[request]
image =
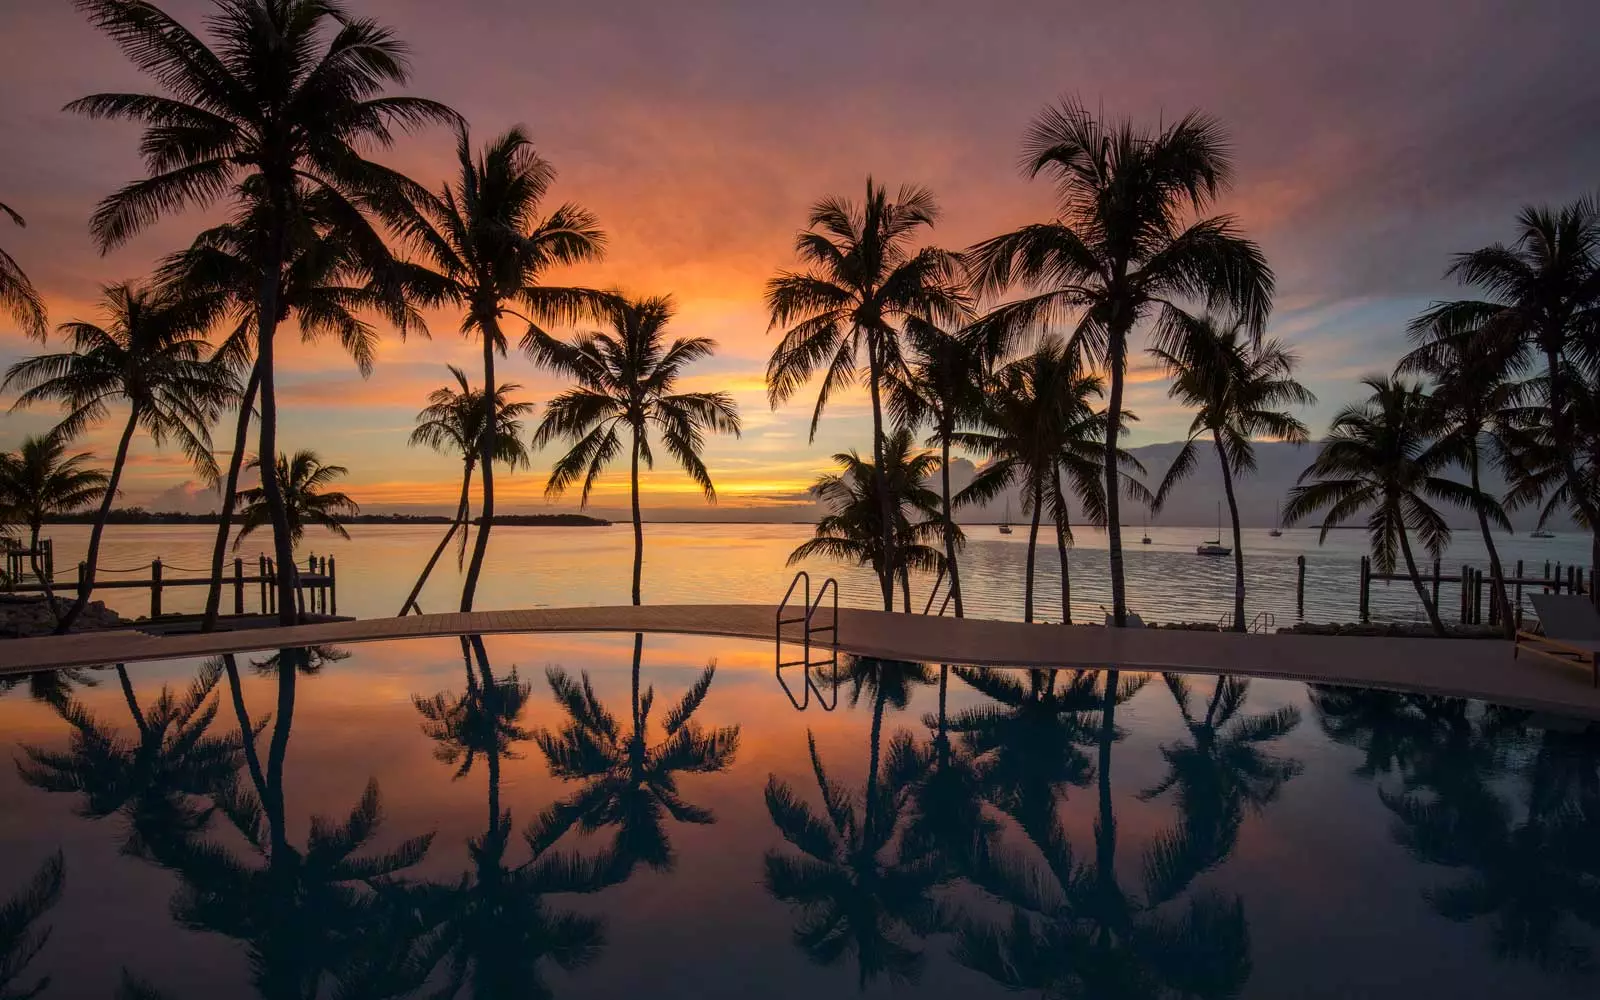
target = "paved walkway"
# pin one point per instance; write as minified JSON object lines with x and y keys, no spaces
{"x":1475,"y":668}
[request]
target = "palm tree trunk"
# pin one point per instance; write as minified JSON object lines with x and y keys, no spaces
{"x":1238,"y":544}
{"x":1066,"y":571}
{"x":480,"y":544}
{"x":638,"y":654}
{"x":278,"y":750}
{"x":1416,"y":581}
{"x":46,"y":583}
{"x":230,"y":496}
{"x":86,"y":587}
{"x":462,"y":509}
{"x":905,"y":589}
{"x":1105,"y":826}
{"x":1033,"y":543}
{"x":267,"y":449}
{"x":486,"y":684}
{"x":247,"y":733}
{"x":943,"y":740}
{"x":869,"y":821}
{"x":1497,"y":576}
{"x":1116,"y":356}
{"x":129,"y":697}
{"x":880,"y":480}
{"x":949,"y":520}
{"x":638,"y":522}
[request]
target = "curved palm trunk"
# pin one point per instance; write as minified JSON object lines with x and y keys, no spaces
{"x":230,"y":496}
{"x":247,"y":733}
{"x":1066,"y":571}
{"x":129,"y":697}
{"x":1416,"y":581}
{"x":1238,"y":543}
{"x":880,"y":480}
{"x":480,"y":544}
{"x":869,"y":822}
{"x":267,"y":450}
{"x":86,"y":587}
{"x":463,"y":507}
{"x":1118,"y":349}
{"x":278,"y":750}
{"x":1497,"y":576}
{"x":638,"y":522}
{"x":949,"y":520}
{"x":1033,"y":544}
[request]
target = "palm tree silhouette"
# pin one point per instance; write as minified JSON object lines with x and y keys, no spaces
{"x":490,"y":248}
{"x":151,"y":357}
{"x":1237,"y":387}
{"x":862,"y":279}
{"x":304,"y":500}
{"x":449,"y":425}
{"x":630,"y":782}
{"x":277,"y":108}
{"x":946,"y":792}
{"x":1382,"y":456}
{"x":17,"y":294}
{"x":493,"y":925}
{"x":1118,"y":248}
{"x":849,"y":532}
{"x":626,"y":379}
{"x":41,"y":480}
{"x":20,"y":940}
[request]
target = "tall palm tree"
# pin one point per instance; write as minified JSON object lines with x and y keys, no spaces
{"x":1383,"y":457}
{"x":940,"y":384}
{"x":1038,"y":426}
{"x":305,"y":501}
{"x":449,"y":425}
{"x":626,"y":377}
{"x":1542,"y":303}
{"x":336,"y":269}
{"x":279,"y":104}
{"x":17,"y":294}
{"x":1482,"y":404}
{"x":490,"y":248}
{"x":849,"y":530}
{"x":863,"y":278}
{"x":20,"y":940}
{"x":40,"y":480}
{"x":151,"y":357}
{"x":1238,"y":388}
{"x":1537,"y":468}
{"x":1118,"y":248}
{"x":629,"y":781}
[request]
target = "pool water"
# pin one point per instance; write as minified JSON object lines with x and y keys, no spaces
{"x":585,"y":816}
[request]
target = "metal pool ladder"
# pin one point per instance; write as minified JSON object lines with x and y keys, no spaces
{"x":809,"y":628}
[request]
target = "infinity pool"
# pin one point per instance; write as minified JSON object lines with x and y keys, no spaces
{"x":584,"y":816}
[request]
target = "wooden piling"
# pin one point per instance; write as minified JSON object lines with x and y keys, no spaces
{"x":333,"y":585}
{"x":238,"y":585}
{"x":1366,"y":585}
{"x":1300,"y":586}
{"x":1477,"y":597}
{"x":155,"y":588}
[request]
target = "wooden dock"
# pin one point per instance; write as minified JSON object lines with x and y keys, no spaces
{"x":1471,"y":668}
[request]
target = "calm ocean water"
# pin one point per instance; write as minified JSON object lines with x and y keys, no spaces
{"x":746,"y":563}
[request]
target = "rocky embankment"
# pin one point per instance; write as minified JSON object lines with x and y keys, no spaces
{"x":24,"y":616}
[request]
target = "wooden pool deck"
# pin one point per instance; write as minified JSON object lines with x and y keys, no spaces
{"x":1473,"y":668}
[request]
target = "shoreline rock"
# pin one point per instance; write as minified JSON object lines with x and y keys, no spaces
{"x":21,"y":617}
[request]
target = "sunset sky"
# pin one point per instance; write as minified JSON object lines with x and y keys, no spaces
{"x":1372,"y":140}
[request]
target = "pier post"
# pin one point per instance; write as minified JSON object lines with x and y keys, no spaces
{"x":1436,"y":585}
{"x":1300,"y":587}
{"x":238,"y":585}
{"x":155,"y":588}
{"x":1466,"y":575}
{"x":333,"y":588}
{"x":1477,"y":597}
{"x":1366,"y":584}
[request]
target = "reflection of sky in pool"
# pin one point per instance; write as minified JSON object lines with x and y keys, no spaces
{"x":1235,"y":838}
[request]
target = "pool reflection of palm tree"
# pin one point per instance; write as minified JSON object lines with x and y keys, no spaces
{"x":629,"y":782}
{"x":52,"y":687}
{"x":493,"y":927}
{"x":21,"y":939}
{"x":947,"y":792}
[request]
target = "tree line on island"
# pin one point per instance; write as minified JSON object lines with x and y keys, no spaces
{"x":1014,"y":350}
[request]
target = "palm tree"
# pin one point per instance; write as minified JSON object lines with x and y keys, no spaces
{"x":1481,"y":403}
{"x":1542,"y":299}
{"x":1537,"y":469}
{"x":280,"y":106}
{"x":1118,"y":248}
{"x":849,"y":530}
{"x":151,"y":356}
{"x":1383,"y":456}
{"x":628,"y":781}
{"x":305,"y":502}
{"x":335,"y":269}
{"x":939,"y":383}
{"x":17,"y":294}
{"x":626,"y":379}
{"x":21,"y":941}
{"x":1237,"y":388}
{"x":40,"y":480}
{"x":490,"y":249}
{"x":863,"y":278}
{"x":449,"y":425}
{"x":1037,"y":426}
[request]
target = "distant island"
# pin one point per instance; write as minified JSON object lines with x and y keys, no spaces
{"x":138,"y":515}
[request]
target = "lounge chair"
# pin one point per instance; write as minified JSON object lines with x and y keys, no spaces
{"x":1571,"y":631}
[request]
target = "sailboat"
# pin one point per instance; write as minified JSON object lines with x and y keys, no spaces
{"x":1215,"y":546}
{"x":1005,"y":526}
{"x":1542,"y":533}
{"x":1277,"y":522}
